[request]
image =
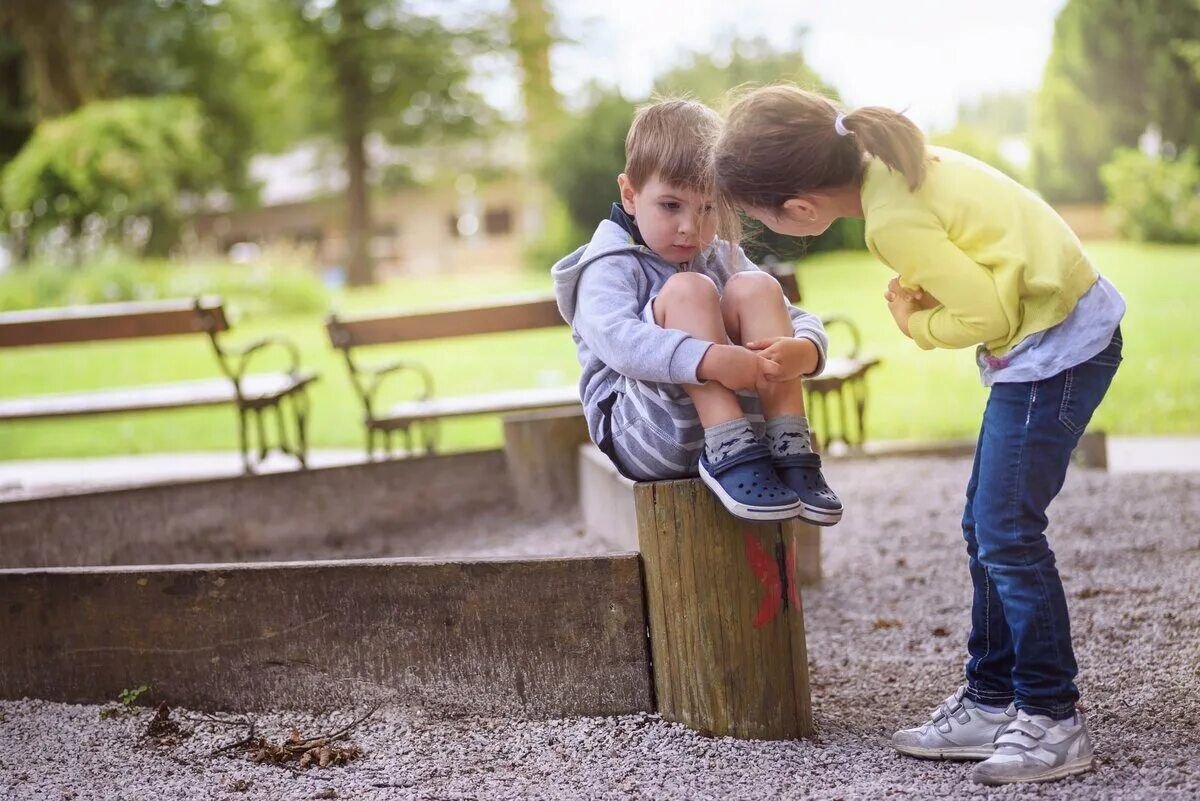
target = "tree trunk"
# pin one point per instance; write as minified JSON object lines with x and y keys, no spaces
{"x":355,"y":97}
{"x":46,"y":32}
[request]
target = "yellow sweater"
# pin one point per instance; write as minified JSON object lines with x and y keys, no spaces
{"x":1003,"y":264}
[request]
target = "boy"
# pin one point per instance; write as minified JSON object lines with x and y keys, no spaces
{"x":692,"y":358}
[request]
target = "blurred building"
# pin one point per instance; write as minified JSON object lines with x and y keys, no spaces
{"x":463,"y":208}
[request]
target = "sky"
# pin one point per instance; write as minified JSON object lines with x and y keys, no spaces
{"x":921,"y":55}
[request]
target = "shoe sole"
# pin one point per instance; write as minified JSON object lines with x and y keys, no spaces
{"x":1072,"y":768}
{"x":818,"y":516}
{"x":966,"y":753}
{"x":744,"y":512}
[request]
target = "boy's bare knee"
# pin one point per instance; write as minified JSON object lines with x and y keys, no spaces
{"x":690,"y":290}
{"x":752,"y":287}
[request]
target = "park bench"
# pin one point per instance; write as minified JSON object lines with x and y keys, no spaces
{"x":253,"y":395}
{"x":417,"y":418}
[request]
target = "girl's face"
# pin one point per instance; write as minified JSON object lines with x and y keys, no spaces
{"x":800,"y":216}
{"x":676,"y":222}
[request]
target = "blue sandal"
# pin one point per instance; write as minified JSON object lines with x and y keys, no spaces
{"x":819,"y":504}
{"x":748,"y":486}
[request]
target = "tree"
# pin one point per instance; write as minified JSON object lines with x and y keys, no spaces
{"x":751,"y":62}
{"x":380,"y":68}
{"x":1117,"y":67}
{"x":112,"y":160}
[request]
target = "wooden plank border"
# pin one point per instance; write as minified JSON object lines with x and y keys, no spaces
{"x":536,"y":638}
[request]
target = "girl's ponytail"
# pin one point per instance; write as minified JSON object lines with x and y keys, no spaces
{"x":780,"y":142}
{"x":892,"y":138}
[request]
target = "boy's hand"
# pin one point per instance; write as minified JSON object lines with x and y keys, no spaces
{"x":735,"y":368}
{"x":795,"y":357}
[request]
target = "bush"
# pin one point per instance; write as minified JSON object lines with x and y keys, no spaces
{"x":250,"y":290}
{"x":1155,"y":199}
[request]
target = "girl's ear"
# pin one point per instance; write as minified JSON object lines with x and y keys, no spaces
{"x":627,"y":194}
{"x":800,"y":209}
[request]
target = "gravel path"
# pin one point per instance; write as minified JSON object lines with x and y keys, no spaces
{"x":885,"y":636}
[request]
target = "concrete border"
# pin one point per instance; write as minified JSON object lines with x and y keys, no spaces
{"x":251,"y":515}
{"x":539,"y":638}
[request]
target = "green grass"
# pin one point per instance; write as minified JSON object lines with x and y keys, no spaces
{"x":915,"y":394}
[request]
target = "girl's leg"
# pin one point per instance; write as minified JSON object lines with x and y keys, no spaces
{"x":1029,"y":433}
{"x":990,"y":663}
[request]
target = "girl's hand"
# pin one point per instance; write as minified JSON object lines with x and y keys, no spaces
{"x":919,"y":296}
{"x":902,"y":309}
{"x":795,"y":357}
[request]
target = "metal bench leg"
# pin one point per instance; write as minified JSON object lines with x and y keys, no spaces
{"x":300,"y":410}
{"x":243,"y":440}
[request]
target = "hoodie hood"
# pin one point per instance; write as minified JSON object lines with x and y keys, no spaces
{"x":610,"y":238}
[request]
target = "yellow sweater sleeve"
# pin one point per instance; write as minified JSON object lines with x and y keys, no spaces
{"x":918,"y":248}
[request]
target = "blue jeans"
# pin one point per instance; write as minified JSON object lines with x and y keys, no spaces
{"x":1020,"y":643}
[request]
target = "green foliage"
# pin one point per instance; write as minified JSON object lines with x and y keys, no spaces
{"x":583,"y":164}
{"x":111,"y":159}
{"x":978,"y":143}
{"x":126,"y":701}
{"x":998,"y":113}
{"x":709,"y":78}
{"x":251,"y":290}
{"x":129,"y":697}
{"x":1155,"y":199}
{"x":1116,"y":68}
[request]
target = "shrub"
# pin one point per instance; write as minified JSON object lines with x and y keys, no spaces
{"x":1155,"y":199}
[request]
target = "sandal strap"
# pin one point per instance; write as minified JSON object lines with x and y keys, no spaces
{"x":752,"y":453}
{"x":811,"y":460}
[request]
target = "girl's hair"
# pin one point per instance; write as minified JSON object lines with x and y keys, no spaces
{"x":781,"y":142}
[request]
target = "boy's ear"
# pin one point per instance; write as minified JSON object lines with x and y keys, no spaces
{"x":627,"y":194}
{"x":800,"y":209}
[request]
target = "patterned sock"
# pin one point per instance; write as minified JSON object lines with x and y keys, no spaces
{"x":788,"y":435}
{"x":727,"y":439}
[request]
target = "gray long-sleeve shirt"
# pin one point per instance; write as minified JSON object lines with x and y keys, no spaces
{"x":602,"y":289}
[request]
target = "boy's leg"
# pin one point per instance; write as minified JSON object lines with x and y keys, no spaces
{"x":735,"y":466}
{"x":754,"y":309}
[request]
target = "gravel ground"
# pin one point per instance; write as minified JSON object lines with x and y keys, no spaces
{"x":885,"y":636}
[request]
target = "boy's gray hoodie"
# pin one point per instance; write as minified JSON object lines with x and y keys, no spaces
{"x":602,"y":289}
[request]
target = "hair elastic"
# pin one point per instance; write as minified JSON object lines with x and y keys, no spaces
{"x":839,"y":125}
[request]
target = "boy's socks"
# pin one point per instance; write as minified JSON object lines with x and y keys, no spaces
{"x":728,"y":439}
{"x":788,"y":435}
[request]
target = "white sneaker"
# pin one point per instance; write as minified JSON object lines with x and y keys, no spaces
{"x":957,"y":729}
{"x":1035,"y":748}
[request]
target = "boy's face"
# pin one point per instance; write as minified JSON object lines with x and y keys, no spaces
{"x":676,"y":222}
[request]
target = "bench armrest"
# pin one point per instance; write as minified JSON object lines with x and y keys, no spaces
{"x":855,"y":336}
{"x":235,"y":360}
{"x":368,"y":379}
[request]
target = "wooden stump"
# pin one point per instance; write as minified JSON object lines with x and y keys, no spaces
{"x":542,"y":450}
{"x":726,"y":619}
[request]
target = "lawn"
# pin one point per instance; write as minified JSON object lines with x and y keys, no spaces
{"x":914,"y":395}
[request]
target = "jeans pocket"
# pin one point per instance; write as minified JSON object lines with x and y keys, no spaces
{"x":1084,"y":386}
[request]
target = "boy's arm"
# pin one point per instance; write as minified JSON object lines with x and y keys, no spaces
{"x":918,"y":248}
{"x":607,"y":318}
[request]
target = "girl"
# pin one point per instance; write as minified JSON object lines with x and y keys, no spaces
{"x":980,"y":261}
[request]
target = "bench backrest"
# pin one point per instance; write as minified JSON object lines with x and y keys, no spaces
{"x":494,"y":315}
{"x":112,"y":321}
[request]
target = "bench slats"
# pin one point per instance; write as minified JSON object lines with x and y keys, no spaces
{"x":505,"y":314}
{"x":109,"y":321}
{"x":180,"y":395}
{"x":518,"y":400}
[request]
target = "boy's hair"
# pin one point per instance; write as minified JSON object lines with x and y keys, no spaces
{"x":781,"y":141}
{"x":672,"y":139}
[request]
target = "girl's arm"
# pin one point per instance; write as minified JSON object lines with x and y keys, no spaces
{"x":971,"y":312}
